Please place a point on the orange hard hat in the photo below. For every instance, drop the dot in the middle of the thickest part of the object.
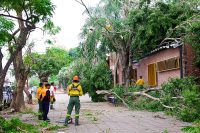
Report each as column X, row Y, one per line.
column 75, row 78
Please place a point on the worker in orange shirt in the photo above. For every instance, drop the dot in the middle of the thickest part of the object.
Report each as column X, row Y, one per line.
column 45, row 100
column 140, row 82
column 38, row 94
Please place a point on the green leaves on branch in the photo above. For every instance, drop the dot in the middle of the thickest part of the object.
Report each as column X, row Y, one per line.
column 152, row 24
column 44, row 65
column 50, row 28
column 92, row 77
column 36, row 10
column 184, row 95
column 6, row 25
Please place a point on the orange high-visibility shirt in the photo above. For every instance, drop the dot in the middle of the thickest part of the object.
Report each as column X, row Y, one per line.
column 43, row 94
column 39, row 92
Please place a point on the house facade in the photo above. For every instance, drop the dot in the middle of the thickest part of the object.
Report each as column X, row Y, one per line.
column 112, row 59
column 171, row 59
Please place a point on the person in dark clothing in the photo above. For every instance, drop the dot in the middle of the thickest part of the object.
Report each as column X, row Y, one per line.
column 45, row 98
column 39, row 92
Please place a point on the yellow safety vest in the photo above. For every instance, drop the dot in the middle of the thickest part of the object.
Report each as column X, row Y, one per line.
column 75, row 90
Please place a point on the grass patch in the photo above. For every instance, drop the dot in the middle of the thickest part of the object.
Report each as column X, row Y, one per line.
column 195, row 128
column 30, row 111
column 50, row 127
column 15, row 125
column 90, row 116
column 165, row 131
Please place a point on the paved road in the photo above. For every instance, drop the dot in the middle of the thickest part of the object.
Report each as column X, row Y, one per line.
column 105, row 118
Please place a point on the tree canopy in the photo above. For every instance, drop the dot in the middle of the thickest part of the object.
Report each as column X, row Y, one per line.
column 26, row 15
column 44, row 65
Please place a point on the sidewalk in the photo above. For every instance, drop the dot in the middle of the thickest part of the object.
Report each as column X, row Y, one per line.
column 104, row 118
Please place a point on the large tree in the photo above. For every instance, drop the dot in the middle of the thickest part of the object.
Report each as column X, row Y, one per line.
column 108, row 25
column 26, row 15
column 132, row 29
column 49, row 63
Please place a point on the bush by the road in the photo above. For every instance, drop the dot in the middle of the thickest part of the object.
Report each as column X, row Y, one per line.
column 15, row 125
column 182, row 96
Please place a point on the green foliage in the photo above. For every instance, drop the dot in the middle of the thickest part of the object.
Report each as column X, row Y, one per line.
column 143, row 103
column 165, row 131
column 119, row 90
column 51, row 29
column 37, row 9
column 183, row 94
column 195, row 128
column 93, row 77
column 50, row 63
column 6, row 26
column 53, row 78
column 152, row 24
column 34, row 81
column 192, row 37
column 34, row 11
column 50, row 127
column 15, row 125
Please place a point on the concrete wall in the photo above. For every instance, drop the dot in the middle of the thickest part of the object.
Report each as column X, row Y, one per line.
column 142, row 66
column 189, row 68
column 112, row 61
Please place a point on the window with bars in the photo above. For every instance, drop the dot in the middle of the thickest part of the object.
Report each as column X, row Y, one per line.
column 167, row 65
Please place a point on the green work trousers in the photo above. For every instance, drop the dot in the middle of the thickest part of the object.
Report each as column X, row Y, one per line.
column 74, row 101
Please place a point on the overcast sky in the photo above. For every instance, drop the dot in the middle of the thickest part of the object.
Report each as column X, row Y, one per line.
column 69, row 16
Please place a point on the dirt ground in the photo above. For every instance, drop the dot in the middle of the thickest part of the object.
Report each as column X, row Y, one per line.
column 105, row 118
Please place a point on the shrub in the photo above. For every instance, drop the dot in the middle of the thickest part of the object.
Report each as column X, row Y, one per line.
column 93, row 77
column 195, row 128
column 15, row 125
column 183, row 94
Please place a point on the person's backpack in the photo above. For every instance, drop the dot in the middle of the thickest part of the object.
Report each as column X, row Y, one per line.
column 74, row 87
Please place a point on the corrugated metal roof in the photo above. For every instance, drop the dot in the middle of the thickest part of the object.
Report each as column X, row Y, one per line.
column 165, row 44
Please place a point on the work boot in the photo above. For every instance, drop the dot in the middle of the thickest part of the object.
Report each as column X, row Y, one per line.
column 66, row 121
column 76, row 120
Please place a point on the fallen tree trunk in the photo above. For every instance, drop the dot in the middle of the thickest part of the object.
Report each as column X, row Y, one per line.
column 139, row 93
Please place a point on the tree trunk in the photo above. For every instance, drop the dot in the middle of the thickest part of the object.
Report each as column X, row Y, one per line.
column 3, row 73
column 13, row 103
column 59, row 85
column 124, row 60
column 115, row 70
column 20, row 95
column 20, row 70
column 28, row 94
column 21, row 77
column 128, row 73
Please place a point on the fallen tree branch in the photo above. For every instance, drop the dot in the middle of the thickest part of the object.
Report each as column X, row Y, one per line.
column 140, row 93
column 152, row 89
column 121, row 100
